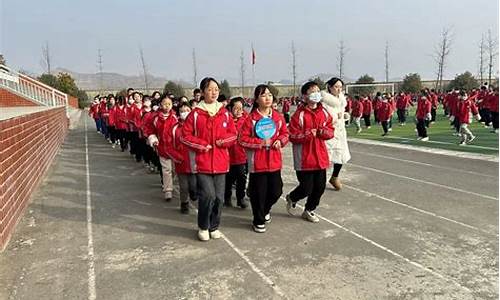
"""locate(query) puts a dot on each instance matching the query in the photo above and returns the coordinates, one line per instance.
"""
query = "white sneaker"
(203, 235)
(216, 234)
(113, 146)
(267, 218)
(290, 206)
(310, 216)
(390, 129)
(425, 139)
(471, 139)
(259, 228)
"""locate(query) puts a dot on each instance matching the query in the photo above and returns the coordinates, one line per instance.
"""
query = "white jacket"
(338, 149)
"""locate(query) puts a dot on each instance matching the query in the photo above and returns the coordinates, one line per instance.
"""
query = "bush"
(173, 88)
(411, 83)
(464, 81)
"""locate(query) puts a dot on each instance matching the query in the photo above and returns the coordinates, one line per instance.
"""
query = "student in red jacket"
(237, 158)
(134, 117)
(494, 110)
(112, 120)
(103, 116)
(403, 102)
(310, 127)
(434, 105)
(422, 115)
(357, 113)
(160, 139)
(209, 132)
(384, 114)
(465, 109)
(367, 110)
(121, 122)
(452, 103)
(147, 115)
(286, 109)
(94, 113)
(264, 157)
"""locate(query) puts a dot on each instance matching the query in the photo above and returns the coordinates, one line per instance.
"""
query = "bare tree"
(294, 69)
(2, 60)
(46, 58)
(441, 54)
(242, 72)
(195, 69)
(341, 58)
(99, 65)
(144, 69)
(387, 61)
(482, 59)
(492, 54)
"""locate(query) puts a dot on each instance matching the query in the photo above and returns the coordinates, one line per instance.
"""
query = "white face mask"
(155, 107)
(183, 115)
(315, 97)
(130, 101)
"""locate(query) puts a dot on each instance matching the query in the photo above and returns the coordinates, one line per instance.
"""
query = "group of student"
(211, 143)
(459, 105)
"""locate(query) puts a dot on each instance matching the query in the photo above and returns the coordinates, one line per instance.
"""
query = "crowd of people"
(211, 144)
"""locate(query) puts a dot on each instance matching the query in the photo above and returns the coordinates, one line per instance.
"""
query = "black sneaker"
(185, 208)
(228, 203)
(259, 228)
(242, 203)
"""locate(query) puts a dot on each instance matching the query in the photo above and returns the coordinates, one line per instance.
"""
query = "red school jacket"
(178, 151)
(424, 106)
(112, 116)
(357, 109)
(309, 151)
(464, 109)
(367, 107)
(237, 154)
(200, 130)
(162, 125)
(121, 117)
(259, 157)
(384, 110)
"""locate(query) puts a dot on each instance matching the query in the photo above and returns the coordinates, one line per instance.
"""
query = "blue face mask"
(315, 97)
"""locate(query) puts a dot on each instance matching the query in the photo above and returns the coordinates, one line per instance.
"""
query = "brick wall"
(8, 99)
(28, 145)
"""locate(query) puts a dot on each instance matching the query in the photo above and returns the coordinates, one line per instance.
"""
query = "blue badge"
(265, 128)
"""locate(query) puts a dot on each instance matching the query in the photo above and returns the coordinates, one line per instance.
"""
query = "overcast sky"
(220, 29)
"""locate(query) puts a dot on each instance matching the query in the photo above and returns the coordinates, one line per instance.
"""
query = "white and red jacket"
(178, 151)
(160, 132)
(309, 151)
(464, 110)
(200, 130)
(367, 106)
(424, 106)
(259, 157)
(357, 109)
(94, 110)
(112, 116)
(403, 101)
(237, 154)
(384, 110)
(134, 117)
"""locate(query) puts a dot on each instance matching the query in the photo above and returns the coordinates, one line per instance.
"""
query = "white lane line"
(424, 164)
(426, 182)
(256, 269)
(416, 264)
(90, 244)
(418, 209)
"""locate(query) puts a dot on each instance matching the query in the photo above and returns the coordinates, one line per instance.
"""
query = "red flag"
(253, 56)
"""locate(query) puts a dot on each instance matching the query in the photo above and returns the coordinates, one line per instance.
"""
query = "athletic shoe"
(385, 134)
(290, 206)
(242, 203)
(390, 129)
(358, 131)
(471, 139)
(368, 127)
(267, 218)
(185, 208)
(462, 143)
(425, 139)
(113, 146)
(203, 235)
(216, 234)
(259, 228)
(419, 138)
(310, 216)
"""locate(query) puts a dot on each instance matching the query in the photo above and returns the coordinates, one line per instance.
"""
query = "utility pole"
(99, 63)
(242, 73)
(195, 69)
(387, 61)
(145, 70)
(341, 59)
(482, 59)
(294, 69)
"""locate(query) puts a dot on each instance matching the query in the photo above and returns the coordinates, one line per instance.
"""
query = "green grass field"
(440, 134)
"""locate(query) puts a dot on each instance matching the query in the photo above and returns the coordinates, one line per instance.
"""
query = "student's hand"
(219, 143)
(277, 144)
(208, 148)
(314, 132)
(266, 143)
(156, 143)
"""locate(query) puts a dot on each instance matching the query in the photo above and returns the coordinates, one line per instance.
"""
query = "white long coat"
(338, 149)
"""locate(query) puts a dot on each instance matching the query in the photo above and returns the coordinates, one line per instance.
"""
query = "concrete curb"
(478, 156)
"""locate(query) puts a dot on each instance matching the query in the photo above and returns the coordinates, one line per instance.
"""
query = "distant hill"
(115, 81)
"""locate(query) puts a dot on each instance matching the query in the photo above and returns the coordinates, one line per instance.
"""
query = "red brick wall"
(28, 145)
(8, 99)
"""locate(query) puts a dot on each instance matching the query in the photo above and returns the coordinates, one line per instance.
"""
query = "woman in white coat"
(335, 102)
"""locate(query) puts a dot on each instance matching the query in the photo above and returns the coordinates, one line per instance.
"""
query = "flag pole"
(253, 66)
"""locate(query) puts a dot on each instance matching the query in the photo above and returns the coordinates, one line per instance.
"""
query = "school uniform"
(424, 106)
(357, 113)
(238, 168)
(122, 125)
(384, 113)
(264, 164)
(367, 110)
(465, 110)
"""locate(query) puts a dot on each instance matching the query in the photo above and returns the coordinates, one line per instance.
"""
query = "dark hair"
(221, 98)
(206, 81)
(233, 102)
(121, 100)
(332, 81)
(111, 96)
(129, 89)
(154, 93)
(307, 86)
(134, 93)
(259, 90)
(196, 91)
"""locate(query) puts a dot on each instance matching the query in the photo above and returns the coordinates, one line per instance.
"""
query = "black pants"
(486, 116)
(146, 151)
(367, 120)
(287, 117)
(385, 126)
(422, 130)
(236, 173)
(112, 134)
(494, 119)
(336, 170)
(122, 137)
(456, 123)
(375, 115)
(135, 146)
(433, 114)
(311, 185)
(402, 115)
(265, 189)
